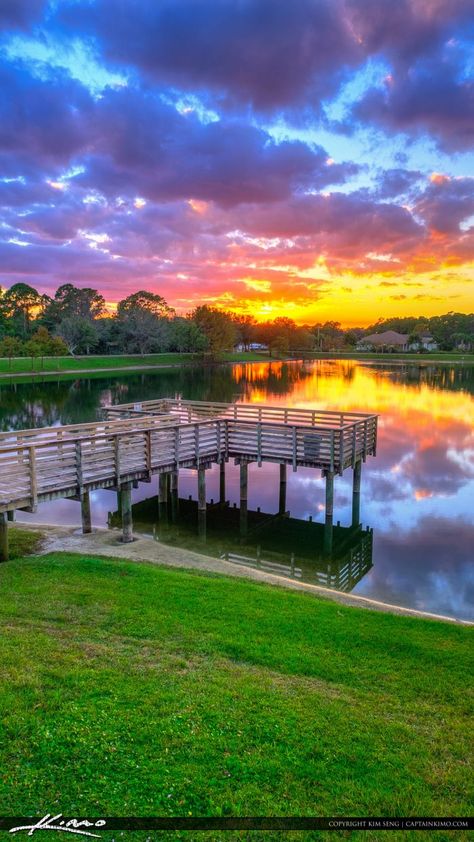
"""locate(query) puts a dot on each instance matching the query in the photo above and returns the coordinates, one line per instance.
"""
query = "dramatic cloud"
(265, 53)
(239, 151)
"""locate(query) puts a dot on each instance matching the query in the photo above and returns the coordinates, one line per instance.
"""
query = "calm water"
(417, 494)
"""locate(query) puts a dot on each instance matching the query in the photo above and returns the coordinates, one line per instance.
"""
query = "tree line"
(75, 321)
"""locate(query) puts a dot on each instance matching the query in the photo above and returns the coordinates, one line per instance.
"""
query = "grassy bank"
(435, 357)
(23, 368)
(133, 690)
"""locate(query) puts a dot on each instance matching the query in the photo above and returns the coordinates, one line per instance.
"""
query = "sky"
(311, 159)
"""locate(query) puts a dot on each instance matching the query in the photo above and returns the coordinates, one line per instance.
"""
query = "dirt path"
(106, 542)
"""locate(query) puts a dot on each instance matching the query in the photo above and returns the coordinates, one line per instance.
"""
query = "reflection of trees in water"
(273, 379)
(454, 378)
(37, 404)
(24, 405)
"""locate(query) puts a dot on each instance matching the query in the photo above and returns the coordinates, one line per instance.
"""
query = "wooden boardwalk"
(134, 441)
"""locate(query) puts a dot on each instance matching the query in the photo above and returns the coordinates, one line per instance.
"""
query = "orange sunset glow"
(337, 186)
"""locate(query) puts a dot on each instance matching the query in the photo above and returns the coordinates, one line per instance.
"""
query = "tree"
(280, 345)
(187, 336)
(143, 323)
(245, 326)
(49, 346)
(33, 349)
(329, 335)
(149, 302)
(217, 326)
(78, 334)
(72, 302)
(21, 304)
(11, 347)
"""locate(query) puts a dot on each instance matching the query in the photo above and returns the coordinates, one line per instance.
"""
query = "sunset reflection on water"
(416, 494)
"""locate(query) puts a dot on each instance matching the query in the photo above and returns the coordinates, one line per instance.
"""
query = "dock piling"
(174, 495)
(356, 493)
(127, 522)
(222, 483)
(163, 496)
(244, 473)
(202, 503)
(282, 496)
(86, 513)
(328, 523)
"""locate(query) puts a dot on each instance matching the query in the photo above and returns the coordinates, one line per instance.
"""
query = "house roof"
(388, 337)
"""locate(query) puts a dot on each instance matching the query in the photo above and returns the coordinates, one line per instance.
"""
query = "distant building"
(425, 342)
(253, 346)
(389, 340)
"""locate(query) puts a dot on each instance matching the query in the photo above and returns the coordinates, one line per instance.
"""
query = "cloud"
(446, 203)
(20, 14)
(268, 54)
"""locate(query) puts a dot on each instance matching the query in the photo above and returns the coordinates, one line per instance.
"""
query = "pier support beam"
(86, 513)
(356, 493)
(3, 536)
(174, 496)
(11, 515)
(202, 503)
(244, 474)
(163, 496)
(328, 523)
(282, 496)
(222, 483)
(127, 522)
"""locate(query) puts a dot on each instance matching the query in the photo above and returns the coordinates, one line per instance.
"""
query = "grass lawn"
(63, 365)
(137, 690)
(55, 364)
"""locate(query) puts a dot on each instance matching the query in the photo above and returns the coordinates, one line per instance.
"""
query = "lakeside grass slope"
(138, 690)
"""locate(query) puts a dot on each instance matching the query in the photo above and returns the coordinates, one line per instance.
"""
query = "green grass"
(130, 689)
(23, 542)
(61, 364)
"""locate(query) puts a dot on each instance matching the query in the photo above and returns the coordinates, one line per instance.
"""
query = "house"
(425, 342)
(389, 340)
(253, 346)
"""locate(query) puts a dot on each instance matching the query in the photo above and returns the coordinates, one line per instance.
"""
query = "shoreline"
(104, 542)
(381, 359)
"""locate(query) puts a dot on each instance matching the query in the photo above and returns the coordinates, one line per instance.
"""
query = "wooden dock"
(132, 442)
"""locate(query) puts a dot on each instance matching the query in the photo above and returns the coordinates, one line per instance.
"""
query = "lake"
(417, 535)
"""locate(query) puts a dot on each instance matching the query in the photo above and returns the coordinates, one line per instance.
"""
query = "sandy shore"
(106, 542)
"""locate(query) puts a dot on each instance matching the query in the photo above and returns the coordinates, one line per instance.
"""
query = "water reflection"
(274, 542)
(417, 493)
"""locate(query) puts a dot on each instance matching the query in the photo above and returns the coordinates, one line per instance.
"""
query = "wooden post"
(222, 483)
(163, 496)
(328, 524)
(86, 513)
(127, 523)
(174, 495)
(356, 493)
(202, 503)
(244, 473)
(282, 497)
(11, 515)
(3, 536)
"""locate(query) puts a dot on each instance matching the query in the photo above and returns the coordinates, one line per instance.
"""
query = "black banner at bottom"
(95, 827)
